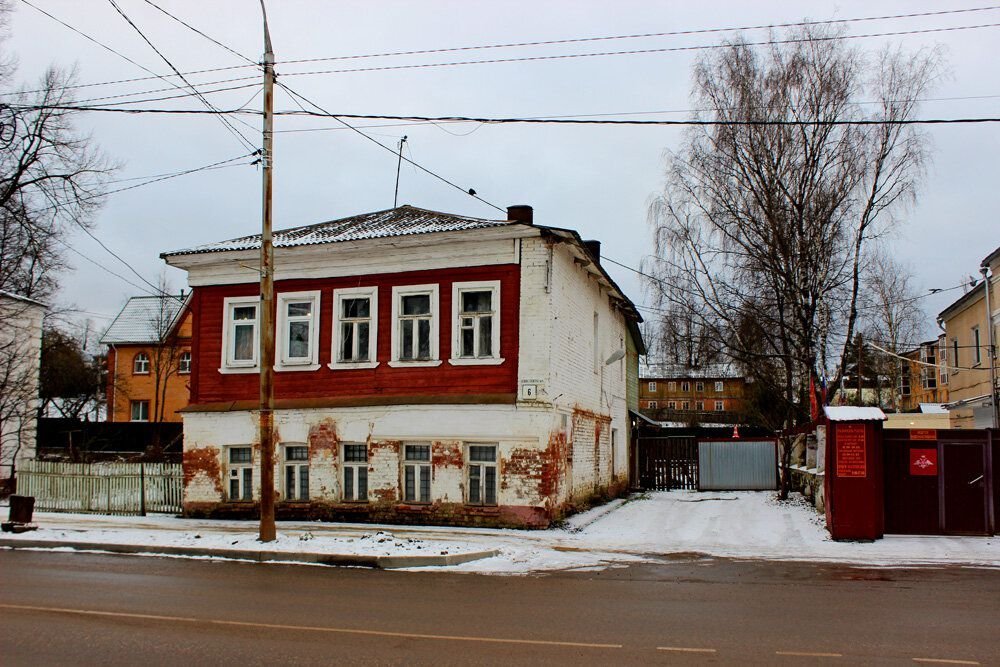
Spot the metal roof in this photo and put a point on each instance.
(405, 220)
(144, 319)
(848, 413)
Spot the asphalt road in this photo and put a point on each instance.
(83, 609)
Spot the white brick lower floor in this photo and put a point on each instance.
(499, 465)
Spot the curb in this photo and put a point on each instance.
(343, 560)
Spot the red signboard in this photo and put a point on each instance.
(852, 460)
(923, 462)
(923, 434)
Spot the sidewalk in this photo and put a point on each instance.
(651, 527)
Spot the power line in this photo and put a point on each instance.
(225, 121)
(161, 90)
(107, 270)
(672, 49)
(191, 27)
(675, 33)
(471, 192)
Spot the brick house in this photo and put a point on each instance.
(713, 395)
(149, 360)
(430, 368)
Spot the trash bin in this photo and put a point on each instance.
(21, 509)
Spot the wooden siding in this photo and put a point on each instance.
(208, 385)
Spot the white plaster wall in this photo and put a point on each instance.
(20, 353)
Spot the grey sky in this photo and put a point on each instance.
(595, 179)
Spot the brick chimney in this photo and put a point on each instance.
(520, 213)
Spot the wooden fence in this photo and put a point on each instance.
(102, 488)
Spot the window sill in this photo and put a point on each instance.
(348, 365)
(140, 372)
(184, 372)
(396, 363)
(235, 370)
(284, 368)
(476, 362)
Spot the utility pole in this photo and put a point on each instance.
(266, 435)
(399, 163)
(992, 349)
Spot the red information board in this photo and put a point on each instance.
(923, 434)
(852, 460)
(923, 462)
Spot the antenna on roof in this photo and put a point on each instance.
(399, 163)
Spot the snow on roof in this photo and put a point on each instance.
(405, 220)
(933, 409)
(849, 413)
(18, 297)
(144, 319)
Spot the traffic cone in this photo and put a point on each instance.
(736, 431)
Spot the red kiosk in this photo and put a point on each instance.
(854, 480)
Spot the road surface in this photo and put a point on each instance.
(88, 609)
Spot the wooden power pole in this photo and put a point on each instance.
(267, 530)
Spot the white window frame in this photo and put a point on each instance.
(351, 468)
(686, 406)
(699, 406)
(685, 386)
(184, 368)
(282, 361)
(456, 323)
(495, 464)
(294, 494)
(140, 358)
(398, 292)
(227, 364)
(421, 470)
(652, 386)
(719, 386)
(671, 386)
(720, 406)
(699, 386)
(352, 293)
(239, 477)
(653, 405)
(977, 346)
(954, 362)
(139, 403)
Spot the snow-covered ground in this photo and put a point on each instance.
(647, 527)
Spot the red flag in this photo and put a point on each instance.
(813, 407)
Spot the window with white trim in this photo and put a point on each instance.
(475, 327)
(652, 405)
(671, 405)
(140, 364)
(240, 473)
(943, 361)
(140, 411)
(184, 363)
(719, 387)
(685, 386)
(240, 333)
(481, 474)
(671, 386)
(954, 356)
(719, 407)
(686, 405)
(977, 350)
(699, 386)
(417, 473)
(652, 386)
(415, 333)
(355, 328)
(355, 471)
(296, 477)
(699, 406)
(298, 331)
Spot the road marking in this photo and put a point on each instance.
(946, 661)
(306, 628)
(685, 649)
(810, 654)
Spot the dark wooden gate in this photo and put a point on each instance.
(938, 482)
(668, 463)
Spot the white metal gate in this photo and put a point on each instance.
(102, 488)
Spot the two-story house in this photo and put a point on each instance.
(923, 375)
(713, 395)
(149, 359)
(967, 326)
(430, 368)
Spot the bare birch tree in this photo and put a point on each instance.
(767, 216)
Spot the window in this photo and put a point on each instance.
(296, 472)
(954, 356)
(482, 474)
(671, 386)
(140, 364)
(977, 352)
(699, 386)
(355, 328)
(943, 361)
(475, 335)
(719, 407)
(240, 474)
(671, 405)
(597, 336)
(719, 387)
(686, 405)
(356, 472)
(904, 380)
(699, 406)
(652, 386)
(685, 386)
(184, 363)
(240, 335)
(417, 473)
(298, 331)
(652, 405)
(928, 377)
(140, 411)
(415, 331)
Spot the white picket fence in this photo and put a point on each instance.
(102, 488)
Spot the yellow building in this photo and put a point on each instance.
(924, 376)
(968, 334)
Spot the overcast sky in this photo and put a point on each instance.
(598, 180)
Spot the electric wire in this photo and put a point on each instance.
(211, 39)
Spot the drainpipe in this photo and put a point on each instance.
(989, 337)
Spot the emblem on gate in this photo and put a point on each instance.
(923, 462)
